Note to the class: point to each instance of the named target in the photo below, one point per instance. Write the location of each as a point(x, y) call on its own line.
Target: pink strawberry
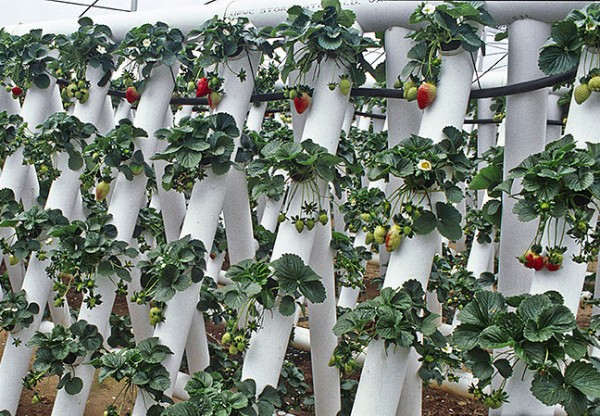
point(426, 94)
point(393, 238)
point(132, 95)
point(213, 99)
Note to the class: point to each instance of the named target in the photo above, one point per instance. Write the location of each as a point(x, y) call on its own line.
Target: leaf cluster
point(139, 366)
point(542, 333)
point(172, 267)
point(26, 59)
point(195, 145)
point(92, 45)
point(16, 312)
point(563, 49)
point(210, 397)
point(305, 162)
point(85, 250)
point(324, 34)
point(61, 348)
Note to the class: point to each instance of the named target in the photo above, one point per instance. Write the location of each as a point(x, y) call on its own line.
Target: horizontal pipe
point(371, 15)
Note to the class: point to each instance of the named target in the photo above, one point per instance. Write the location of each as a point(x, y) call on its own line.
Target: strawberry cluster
point(210, 87)
point(424, 93)
point(534, 259)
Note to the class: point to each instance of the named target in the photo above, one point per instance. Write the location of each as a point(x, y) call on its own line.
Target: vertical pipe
point(525, 134)
point(322, 318)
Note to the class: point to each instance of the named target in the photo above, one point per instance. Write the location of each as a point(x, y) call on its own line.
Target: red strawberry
point(532, 260)
point(426, 94)
point(213, 99)
point(302, 102)
point(202, 89)
point(16, 91)
point(132, 95)
point(548, 264)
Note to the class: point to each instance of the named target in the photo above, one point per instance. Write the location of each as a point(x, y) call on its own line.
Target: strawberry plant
point(306, 165)
point(84, 251)
point(169, 268)
point(26, 60)
point(210, 397)
point(59, 351)
point(12, 132)
point(560, 191)
point(115, 151)
point(60, 132)
point(260, 286)
point(425, 168)
point(571, 40)
point(218, 40)
point(323, 34)
point(395, 316)
point(445, 26)
point(366, 209)
point(16, 312)
point(145, 47)
point(139, 367)
point(349, 261)
point(542, 333)
point(91, 45)
point(196, 145)
point(31, 228)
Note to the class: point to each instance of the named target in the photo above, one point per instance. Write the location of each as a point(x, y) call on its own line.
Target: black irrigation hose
point(519, 88)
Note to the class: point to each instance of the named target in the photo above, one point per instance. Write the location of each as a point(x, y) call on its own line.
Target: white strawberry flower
point(591, 26)
point(428, 9)
point(424, 165)
point(586, 295)
point(146, 43)
point(447, 349)
point(101, 49)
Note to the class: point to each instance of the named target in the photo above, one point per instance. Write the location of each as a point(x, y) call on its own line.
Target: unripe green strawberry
point(136, 169)
point(345, 85)
point(332, 86)
point(156, 316)
point(226, 338)
point(379, 234)
point(369, 238)
point(241, 346)
point(293, 94)
point(281, 217)
point(581, 93)
point(233, 350)
point(412, 93)
point(191, 86)
point(408, 85)
point(299, 225)
point(397, 84)
point(393, 238)
point(366, 217)
point(594, 83)
point(310, 223)
point(13, 260)
point(323, 218)
point(406, 230)
point(214, 98)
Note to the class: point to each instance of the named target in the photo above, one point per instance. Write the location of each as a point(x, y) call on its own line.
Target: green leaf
point(487, 178)
point(531, 307)
point(548, 387)
point(504, 367)
point(482, 309)
point(448, 221)
point(287, 306)
point(425, 223)
point(73, 385)
point(583, 377)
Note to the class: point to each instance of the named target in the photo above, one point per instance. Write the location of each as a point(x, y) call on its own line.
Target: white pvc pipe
point(266, 352)
point(124, 207)
point(256, 116)
point(201, 222)
point(525, 135)
point(64, 190)
point(415, 256)
point(322, 318)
